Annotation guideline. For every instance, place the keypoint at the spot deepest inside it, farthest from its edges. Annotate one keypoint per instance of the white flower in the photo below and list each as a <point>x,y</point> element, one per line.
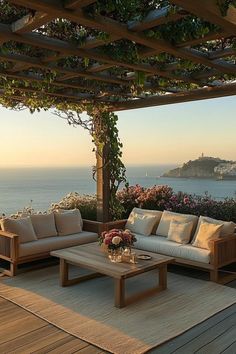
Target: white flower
<point>116,240</point>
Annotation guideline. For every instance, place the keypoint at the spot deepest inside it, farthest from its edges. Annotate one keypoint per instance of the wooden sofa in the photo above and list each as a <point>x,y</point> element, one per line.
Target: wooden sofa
<point>222,253</point>
<point>10,250</point>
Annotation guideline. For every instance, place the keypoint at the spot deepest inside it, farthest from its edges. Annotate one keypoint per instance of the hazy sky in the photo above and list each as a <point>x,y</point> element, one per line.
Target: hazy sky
<point>158,135</point>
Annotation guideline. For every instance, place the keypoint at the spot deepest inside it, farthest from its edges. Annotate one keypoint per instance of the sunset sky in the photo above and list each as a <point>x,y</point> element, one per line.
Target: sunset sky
<point>158,135</point>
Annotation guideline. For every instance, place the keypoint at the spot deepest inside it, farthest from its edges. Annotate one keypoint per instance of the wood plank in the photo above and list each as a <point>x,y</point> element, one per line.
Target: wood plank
<point>186,338</point>
<point>156,18</point>
<point>210,11</point>
<point>231,349</point>
<point>221,343</point>
<point>66,345</point>
<point>146,52</point>
<point>32,341</point>
<point>187,96</point>
<point>89,350</point>
<point>74,4</point>
<point>21,326</point>
<point>212,333</point>
<point>222,53</point>
<point>30,22</point>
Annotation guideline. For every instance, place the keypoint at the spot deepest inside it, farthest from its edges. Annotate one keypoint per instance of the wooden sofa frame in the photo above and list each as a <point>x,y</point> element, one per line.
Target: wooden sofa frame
<point>13,243</point>
<point>223,252</point>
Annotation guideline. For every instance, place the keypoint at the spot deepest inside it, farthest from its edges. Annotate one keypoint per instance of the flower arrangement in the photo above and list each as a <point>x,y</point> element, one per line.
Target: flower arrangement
<point>116,238</point>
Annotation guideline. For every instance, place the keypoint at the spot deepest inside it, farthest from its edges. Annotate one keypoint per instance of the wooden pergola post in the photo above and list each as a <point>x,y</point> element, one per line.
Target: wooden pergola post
<point>103,185</point>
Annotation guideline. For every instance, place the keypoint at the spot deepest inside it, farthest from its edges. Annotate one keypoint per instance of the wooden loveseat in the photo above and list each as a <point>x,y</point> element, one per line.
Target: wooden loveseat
<point>221,252</point>
<point>48,238</point>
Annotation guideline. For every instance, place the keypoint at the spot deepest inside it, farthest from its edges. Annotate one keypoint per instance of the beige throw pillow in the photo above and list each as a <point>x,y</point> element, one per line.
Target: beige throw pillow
<point>180,232</point>
<point>62,211</point>
<point>68,222</point>
<point>22,227</point>
<point>227,229</point>
<point>168,216</point>
<point>141,224</point>
<point>206,233</point>
<point>44,225</point>
<point>156,213</point>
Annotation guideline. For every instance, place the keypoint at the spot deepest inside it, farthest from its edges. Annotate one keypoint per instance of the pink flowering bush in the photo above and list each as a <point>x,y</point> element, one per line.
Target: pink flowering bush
<point>116,238</point>
<point>163,198</point>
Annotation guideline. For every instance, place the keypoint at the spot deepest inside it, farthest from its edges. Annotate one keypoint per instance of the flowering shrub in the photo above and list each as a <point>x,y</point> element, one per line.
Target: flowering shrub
<point>116,238</point>
<point>163,198</point>
<point>87,204</point>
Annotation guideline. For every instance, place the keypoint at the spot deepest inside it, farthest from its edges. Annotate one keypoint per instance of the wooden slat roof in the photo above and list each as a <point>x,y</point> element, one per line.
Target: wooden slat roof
<point>95,56</point>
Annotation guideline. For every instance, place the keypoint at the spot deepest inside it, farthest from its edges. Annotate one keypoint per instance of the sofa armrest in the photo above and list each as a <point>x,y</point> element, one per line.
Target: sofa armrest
<point>223,250</point>
<point>9,246</point>
<point>93,226</point>
<point>7,234</point>
<point>117,224</point>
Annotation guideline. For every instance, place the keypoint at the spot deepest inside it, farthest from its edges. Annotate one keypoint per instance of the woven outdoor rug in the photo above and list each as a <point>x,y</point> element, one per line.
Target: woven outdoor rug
<point>87,310</point>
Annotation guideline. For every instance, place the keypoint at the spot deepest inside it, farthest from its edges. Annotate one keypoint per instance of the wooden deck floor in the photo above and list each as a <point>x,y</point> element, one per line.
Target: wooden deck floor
<point>23,333</point>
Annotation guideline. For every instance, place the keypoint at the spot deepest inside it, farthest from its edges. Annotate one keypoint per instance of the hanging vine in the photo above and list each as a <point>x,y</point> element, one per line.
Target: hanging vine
<point>102,126</point>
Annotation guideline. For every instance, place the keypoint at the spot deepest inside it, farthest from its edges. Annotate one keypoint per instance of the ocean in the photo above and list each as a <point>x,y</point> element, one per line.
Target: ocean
<point>43,186</point>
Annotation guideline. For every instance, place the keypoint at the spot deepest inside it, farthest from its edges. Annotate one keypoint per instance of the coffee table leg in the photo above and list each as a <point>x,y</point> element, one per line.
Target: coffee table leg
<point>119,292</point>
<point>64,268</point>
<point>163,277</point>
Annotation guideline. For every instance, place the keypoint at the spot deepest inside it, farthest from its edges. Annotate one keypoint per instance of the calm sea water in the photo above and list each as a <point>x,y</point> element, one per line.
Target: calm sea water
<point>45,186</point>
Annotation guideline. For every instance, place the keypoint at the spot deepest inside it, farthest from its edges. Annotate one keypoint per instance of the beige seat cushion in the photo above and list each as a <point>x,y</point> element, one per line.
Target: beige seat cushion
<point>168,216</point>
<point>227,229</point>
<point>180,231</point>
<point>44,225</point>
<point>162,245</point>
<point>156,213</point>
<point>55,243</point>
<point>68,222</point>
<point>22,227</point>
<point>206,233</point>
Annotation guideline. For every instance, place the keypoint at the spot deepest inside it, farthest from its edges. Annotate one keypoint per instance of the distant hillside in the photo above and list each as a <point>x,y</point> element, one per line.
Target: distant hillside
<point>205,167</point>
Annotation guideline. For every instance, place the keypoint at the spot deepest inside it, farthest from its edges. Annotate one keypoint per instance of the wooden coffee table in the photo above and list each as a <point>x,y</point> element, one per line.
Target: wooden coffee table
<point>90,256</point>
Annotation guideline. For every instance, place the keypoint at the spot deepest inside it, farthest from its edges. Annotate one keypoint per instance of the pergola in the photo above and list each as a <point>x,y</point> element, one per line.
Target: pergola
<point>123,54</point>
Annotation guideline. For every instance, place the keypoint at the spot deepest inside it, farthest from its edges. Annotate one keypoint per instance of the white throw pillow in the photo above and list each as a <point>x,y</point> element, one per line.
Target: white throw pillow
<point>156,213</point>
<point>168,216</point>
<point>180,231</point>
<point>141,224</point>
<point>206,233</point>
<point>227,229</point>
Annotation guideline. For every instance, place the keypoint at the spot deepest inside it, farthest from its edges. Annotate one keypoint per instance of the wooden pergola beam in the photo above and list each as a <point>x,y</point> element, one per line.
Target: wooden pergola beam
<point>30,22</point>
<point>156,18</point>
<point>59,46</point>
<point>221,53</point>
<point>179,97</point>
<point>74,4</point>
<point>210,11</point>
<point>115,28</point>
